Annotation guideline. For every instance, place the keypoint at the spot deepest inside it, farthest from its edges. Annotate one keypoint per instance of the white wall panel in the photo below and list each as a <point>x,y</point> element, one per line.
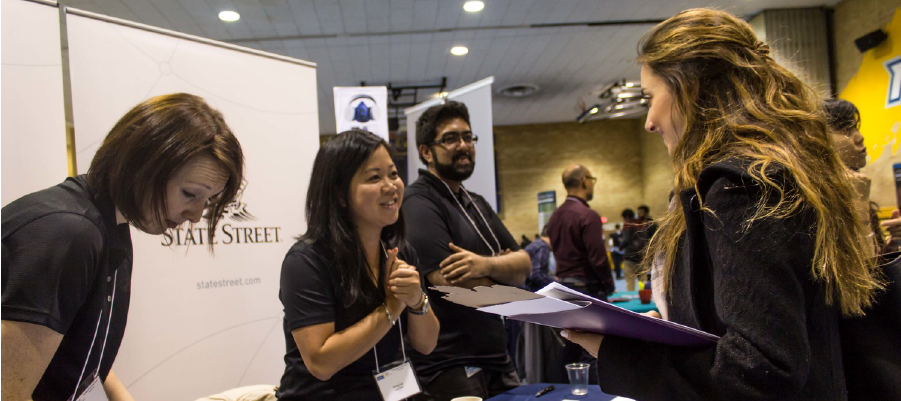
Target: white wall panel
<point>183,340</point>
<point>33,121</point>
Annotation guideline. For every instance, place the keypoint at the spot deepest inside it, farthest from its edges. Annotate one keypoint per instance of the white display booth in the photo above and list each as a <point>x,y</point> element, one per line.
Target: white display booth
<point>199,323</point>
<point>33,121</point>
<point>477,98</point>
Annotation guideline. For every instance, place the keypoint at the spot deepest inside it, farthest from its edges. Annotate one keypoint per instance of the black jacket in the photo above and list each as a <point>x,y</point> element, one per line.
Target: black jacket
<point>752,286</point>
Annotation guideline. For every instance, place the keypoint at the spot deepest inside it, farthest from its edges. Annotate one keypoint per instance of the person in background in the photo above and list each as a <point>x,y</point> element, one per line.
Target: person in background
<point>616,251</point>
<point>349,294</point>
<point>844,125</point>
<point>762,248</point>
<point>869,344</point>
<point>67,254</point>
<point>637,233</point>
<point>524,241</point>
<point>539,254</point>
<point>577,237</point>
<point>460,241</point>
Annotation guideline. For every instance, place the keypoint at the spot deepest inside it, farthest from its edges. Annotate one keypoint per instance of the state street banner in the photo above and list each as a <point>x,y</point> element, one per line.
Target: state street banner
<point>34,123</point>
<point>363,107</point>
<point>477,98</point>
<point>200,322</point>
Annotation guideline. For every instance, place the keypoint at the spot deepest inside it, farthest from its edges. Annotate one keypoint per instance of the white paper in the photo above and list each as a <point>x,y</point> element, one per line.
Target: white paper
<point>532,306</point>
<point>560,291</point>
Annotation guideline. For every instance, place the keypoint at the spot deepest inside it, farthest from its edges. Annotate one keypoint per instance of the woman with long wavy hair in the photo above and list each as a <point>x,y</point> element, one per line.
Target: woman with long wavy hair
<point>761,245</point>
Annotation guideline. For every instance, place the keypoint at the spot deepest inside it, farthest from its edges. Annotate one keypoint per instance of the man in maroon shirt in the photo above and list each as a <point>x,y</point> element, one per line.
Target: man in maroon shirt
<point>577,237</point>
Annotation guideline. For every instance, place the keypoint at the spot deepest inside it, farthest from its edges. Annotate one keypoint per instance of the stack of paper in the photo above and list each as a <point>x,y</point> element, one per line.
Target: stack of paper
<point>558,306</point>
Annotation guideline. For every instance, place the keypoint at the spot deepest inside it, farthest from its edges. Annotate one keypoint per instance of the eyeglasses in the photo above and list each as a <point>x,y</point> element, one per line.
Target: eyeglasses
<point>593,179</point>
<point>452,139</point>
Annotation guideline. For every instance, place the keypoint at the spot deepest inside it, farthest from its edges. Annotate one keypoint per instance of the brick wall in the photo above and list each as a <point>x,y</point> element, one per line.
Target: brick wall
<point>531,159</point>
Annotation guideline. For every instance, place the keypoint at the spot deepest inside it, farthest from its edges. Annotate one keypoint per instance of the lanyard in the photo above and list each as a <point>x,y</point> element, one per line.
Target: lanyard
<point>105,336</point>
<point>471,221</point>
<point>400,328</point>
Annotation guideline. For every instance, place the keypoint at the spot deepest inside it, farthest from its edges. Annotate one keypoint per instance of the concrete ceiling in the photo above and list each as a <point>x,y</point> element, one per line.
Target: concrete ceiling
<point>548,43</point>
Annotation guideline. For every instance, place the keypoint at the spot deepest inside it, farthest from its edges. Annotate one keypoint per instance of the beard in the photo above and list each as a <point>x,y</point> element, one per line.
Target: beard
<point>454,172</point>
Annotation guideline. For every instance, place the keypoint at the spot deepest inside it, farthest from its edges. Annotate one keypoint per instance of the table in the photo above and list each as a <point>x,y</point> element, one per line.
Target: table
<point>561,392</point>
<point>633,305</point>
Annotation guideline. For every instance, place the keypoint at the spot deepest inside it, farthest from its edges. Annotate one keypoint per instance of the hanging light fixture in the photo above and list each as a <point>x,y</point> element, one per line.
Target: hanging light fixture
<point>619,99</point>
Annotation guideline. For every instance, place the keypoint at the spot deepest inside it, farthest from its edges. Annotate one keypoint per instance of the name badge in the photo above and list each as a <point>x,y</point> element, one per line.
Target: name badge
<point>93,389</point>
<point>398,382</point>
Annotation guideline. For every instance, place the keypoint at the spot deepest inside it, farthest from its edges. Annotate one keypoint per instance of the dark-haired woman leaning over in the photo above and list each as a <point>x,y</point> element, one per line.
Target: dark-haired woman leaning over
<point>762,246</point>
<point>349,296</point>
<point>67,253</point>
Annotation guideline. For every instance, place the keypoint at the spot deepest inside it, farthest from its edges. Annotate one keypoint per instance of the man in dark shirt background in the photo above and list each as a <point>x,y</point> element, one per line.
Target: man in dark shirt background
<point>577,237</point>
<point>460,241</point>
<point>540,254</point>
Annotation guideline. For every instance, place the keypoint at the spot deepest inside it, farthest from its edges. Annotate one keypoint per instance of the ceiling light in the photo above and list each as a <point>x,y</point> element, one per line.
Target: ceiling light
<point>628,95</point>
<point>619,99</point>
<point>229,16</point>
<point>440,95</point>
<point>518,90</point>
<point>459,50</point>
<point>473,6</point>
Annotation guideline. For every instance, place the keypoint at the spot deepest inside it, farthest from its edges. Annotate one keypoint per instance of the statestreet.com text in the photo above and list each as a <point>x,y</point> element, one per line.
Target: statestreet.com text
<point>224,283</point>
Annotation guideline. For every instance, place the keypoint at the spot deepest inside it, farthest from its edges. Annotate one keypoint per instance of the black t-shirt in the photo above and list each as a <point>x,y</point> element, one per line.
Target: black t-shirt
<point>467,337</point>
<point>67,266</point>
<point>311,294</point>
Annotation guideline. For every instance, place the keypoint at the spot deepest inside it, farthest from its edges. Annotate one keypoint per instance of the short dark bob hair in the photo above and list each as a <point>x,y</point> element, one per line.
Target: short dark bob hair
<point>428,123</point>
<point>150,143</point>
<point>842,115</point>
<point>330,225</point>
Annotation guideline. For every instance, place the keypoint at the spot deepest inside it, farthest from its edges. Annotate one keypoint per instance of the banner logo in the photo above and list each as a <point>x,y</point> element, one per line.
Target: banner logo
<point>227,233</point>
<point>237,209</point>
<point>894,82</point>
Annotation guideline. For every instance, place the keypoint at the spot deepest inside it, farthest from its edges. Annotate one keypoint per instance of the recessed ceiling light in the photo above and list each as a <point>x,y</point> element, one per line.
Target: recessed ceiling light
<point>459,50</point>
<point>473,6</point>
<point>229,16</point>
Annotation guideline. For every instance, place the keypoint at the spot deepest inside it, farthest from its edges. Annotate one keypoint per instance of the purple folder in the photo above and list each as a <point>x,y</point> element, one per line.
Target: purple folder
<point>585,313</point>
<point>605,318</point>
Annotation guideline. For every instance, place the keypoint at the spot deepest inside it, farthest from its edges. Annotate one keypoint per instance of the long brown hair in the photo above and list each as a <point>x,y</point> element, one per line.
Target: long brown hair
<point>739,103</point>
<point>150,143</point>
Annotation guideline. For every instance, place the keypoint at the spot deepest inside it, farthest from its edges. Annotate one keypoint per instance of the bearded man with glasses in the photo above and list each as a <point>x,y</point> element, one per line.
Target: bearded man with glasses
<point>460,241</point>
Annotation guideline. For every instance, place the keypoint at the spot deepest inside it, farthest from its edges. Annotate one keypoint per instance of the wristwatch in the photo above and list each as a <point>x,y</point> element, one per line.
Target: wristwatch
<point>425,306</point>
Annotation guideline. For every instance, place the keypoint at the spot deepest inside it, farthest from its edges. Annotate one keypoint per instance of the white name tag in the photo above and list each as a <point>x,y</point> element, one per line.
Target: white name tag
<point>93,391</point>
<point>398,382</point>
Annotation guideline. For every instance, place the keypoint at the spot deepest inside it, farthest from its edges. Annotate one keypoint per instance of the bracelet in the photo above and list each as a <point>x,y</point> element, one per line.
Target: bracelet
<point>425,306</point>
<point>391,319</point>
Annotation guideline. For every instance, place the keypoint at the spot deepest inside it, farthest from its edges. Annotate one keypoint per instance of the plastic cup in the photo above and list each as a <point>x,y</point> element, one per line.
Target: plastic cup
<point>578,378</point>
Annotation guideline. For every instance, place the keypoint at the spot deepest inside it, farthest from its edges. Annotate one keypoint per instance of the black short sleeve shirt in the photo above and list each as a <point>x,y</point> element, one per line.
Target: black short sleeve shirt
<point>67,266</point>
<point>311,294</point>
<point>435,218</point>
